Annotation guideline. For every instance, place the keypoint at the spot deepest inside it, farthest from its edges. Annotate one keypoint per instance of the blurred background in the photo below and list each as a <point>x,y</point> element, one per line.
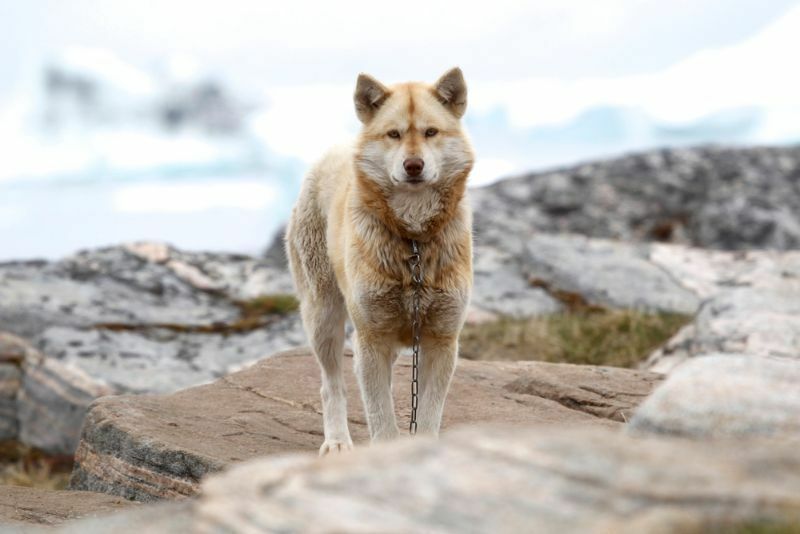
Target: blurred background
<point>193,122</point>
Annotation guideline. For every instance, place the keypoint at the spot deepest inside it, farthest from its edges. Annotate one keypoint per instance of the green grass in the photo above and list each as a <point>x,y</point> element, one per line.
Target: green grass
<point>269,305</point>
<point>620,338</point>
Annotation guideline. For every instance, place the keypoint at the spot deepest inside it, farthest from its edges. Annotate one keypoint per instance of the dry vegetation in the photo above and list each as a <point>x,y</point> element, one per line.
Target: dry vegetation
<point>620,338</point>
<point>253,314</point>
<point>268,305</point>
<point>23,466</point>
<point>767,526</point>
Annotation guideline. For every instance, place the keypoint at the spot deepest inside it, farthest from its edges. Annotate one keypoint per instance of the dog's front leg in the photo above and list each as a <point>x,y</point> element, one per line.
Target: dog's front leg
<point>373,366</point>
<point>437,364</point>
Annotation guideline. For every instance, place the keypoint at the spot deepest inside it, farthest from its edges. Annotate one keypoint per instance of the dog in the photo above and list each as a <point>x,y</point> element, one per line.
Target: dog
<point>349,239</point>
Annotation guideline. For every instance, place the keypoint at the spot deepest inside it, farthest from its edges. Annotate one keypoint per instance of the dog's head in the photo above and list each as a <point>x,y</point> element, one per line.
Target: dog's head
<point>412,134</point>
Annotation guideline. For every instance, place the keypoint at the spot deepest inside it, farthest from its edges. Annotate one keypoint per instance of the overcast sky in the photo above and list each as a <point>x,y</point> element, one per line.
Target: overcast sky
<point>537,64</point>
<point>259,43</point>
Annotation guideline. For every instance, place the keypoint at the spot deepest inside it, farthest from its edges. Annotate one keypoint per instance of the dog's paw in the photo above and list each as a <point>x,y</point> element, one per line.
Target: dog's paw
<point>335,446</point>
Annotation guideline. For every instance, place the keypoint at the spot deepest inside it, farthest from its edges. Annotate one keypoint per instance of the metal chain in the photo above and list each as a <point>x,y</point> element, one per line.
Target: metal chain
<point>415,263</point>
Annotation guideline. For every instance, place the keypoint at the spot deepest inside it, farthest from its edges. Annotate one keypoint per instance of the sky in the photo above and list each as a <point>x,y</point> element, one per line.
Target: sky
<point>260,43</point>
<point>535,70</point>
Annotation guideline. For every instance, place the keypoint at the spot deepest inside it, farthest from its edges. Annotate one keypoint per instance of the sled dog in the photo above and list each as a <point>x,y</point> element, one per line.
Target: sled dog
<point>349,241</point>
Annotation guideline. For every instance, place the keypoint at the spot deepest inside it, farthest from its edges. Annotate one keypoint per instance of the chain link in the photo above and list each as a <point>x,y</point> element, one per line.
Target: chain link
<point>415,263</point>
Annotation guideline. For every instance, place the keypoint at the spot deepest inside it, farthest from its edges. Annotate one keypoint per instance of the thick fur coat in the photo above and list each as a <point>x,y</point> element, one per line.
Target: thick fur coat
<point>348,243</point>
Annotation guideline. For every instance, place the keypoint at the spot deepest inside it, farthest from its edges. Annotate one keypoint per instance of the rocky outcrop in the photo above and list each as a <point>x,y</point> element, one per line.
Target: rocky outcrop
<point>726,395</point>
<point>137,318</point>
<point>751,304</point>
<point>154,447</point>
<point>543,274</point>
<point>10,376</point>
<point>498,479</point>
<point>12,354</point>
<point>23,507</point>
<point>713,448</point>
<point>719,198</point>
<point>52,402</point>
<point>181,322</point>
<point>743,302</point>
<point>533,479</point>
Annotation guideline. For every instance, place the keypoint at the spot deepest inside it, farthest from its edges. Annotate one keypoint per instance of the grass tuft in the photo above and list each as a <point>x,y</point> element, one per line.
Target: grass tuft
<point>279,304</point>
<point>21,465</point>
<point>788,525</point>
<point>620,338</point>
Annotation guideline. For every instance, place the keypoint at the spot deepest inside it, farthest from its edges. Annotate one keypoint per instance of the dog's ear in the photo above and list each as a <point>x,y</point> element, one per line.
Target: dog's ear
<point>451,90</point>
<point>369,97</point>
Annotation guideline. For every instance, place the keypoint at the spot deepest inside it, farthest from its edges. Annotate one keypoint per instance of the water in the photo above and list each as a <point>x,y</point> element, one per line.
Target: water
<point>237,213</point>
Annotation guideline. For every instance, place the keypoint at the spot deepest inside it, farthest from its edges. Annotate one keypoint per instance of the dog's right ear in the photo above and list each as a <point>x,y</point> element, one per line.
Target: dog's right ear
<point>369,97</point>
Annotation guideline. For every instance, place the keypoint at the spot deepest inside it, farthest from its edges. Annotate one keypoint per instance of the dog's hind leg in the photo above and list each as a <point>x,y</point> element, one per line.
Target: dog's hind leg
<point>323,311</point>
<point>324,322</point>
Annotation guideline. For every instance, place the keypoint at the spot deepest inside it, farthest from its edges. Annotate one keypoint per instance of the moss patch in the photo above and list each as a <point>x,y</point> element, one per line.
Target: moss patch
<point>253,314</point>
<point>21,465</point>
<point>621,338</point>
<point>769,527</point>
<point>789,525</point>
<point>269,305</point>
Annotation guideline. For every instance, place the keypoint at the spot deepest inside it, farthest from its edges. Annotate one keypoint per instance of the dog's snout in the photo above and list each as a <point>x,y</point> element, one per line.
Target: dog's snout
<point>414,166</point>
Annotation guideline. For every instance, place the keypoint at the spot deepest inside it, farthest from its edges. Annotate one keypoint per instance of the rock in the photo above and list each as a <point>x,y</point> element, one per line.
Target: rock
<point>158,360</point>
<point>134,284</point>
<point>746,300</point>
<point>501,287</point>
<point>606,273</point>
<point>141,317</point>
<point>500,479</point>
<point>726,395</point>
<point>155,518</point>
<point>753,291</point>
<point>750,304</point>
<point>13,351</point>
<point>531,479</point>
<point>543,274</point>
<point>52,403</point>
<point>10,376</point>
<point>104,286</point>
<point>71,314</point>
<point>719,198</point>
<point>275,253</point>
<point>152,447</point>
<point>238,276</point>
<point>21,507</point>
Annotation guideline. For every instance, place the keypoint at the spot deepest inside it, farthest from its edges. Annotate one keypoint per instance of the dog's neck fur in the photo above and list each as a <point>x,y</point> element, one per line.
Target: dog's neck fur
<point>416,215</point>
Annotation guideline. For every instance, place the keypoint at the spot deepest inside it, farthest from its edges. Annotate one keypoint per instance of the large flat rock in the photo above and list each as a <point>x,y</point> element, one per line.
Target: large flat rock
<point>498,479</point>
<point>151,447</point>
<point>718,395</point>
<point>31,506</point>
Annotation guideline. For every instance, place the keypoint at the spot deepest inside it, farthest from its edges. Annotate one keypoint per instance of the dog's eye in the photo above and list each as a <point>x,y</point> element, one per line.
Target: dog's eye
<point>394,134</point>
<point>430,132</point>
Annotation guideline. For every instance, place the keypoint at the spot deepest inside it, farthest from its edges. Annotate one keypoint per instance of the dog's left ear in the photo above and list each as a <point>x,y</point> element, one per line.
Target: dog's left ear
<point>451,90</point>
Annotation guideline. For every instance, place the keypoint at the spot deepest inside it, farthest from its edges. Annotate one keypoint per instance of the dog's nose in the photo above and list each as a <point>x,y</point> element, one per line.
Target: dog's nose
<point>414,166</point>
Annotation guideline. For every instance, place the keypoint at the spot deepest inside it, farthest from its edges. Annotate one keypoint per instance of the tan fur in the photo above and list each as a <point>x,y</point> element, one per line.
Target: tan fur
<point>348,243</point>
